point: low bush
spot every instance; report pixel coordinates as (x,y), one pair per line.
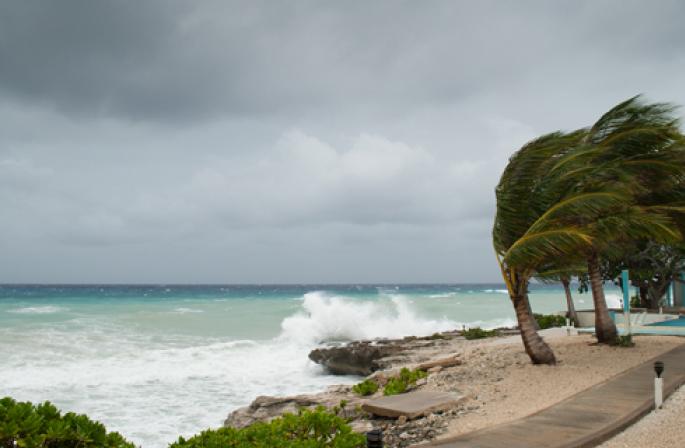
(436,336)
(625,341)
(366,387)
(549,320)
(478,333)
(401,383)
(309,429)
(23,424)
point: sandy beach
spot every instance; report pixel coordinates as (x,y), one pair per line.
(505,386)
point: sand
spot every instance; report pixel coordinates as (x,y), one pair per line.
(503,385)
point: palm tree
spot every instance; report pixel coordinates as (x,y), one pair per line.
(633,150)
(562,271)
(524,194)
(570,195)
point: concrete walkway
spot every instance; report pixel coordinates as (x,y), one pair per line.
(587,418)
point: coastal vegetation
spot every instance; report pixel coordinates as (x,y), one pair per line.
(549,320)
(478,333)
(395,385)
(365,388)
(405,380)
(580,198)
(23,424)
(307,429)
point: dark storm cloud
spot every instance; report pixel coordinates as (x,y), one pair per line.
(174,59)
(293,141)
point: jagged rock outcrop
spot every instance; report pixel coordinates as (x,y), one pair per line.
(365,357)
(357,358)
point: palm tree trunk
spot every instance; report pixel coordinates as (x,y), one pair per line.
(644,298)
(605,328)
(569,300)
(530,313)
(537,349)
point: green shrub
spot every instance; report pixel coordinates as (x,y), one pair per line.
(549,320)
(436,336)
(478,333)
(625,341)
(401,383)
(308,429)
(43,426)
(366,387)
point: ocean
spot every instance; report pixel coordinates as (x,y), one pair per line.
(155,362)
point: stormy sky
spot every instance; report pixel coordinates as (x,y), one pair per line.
(287,142)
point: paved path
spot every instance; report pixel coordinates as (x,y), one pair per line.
(587,418)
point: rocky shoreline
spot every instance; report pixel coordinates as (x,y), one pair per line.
(439,354)
(493,376)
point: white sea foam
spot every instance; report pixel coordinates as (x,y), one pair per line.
(183,310)
(443,295)
(48,309)
(332,318)
(150,390)
(498,291)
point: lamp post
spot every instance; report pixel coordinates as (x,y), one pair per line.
(658,384)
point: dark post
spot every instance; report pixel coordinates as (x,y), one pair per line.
(659,368)
(374,439)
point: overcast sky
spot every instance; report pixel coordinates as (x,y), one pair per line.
(265,142)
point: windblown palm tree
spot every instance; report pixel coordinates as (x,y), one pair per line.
(570,195)
(524,194)
(634,151)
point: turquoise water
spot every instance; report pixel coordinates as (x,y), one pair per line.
(155,362)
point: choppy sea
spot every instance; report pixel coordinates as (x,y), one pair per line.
(155,362)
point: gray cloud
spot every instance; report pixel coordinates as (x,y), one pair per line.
(310,141)
(165,60)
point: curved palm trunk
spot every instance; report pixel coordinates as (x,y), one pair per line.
(605,328)
(569,300)
(537,349)
(531,314)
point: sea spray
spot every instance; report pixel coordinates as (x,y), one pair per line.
(330,318)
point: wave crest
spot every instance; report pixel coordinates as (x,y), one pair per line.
(328,318)
(48,309)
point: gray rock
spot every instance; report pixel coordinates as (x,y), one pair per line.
(357,358)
